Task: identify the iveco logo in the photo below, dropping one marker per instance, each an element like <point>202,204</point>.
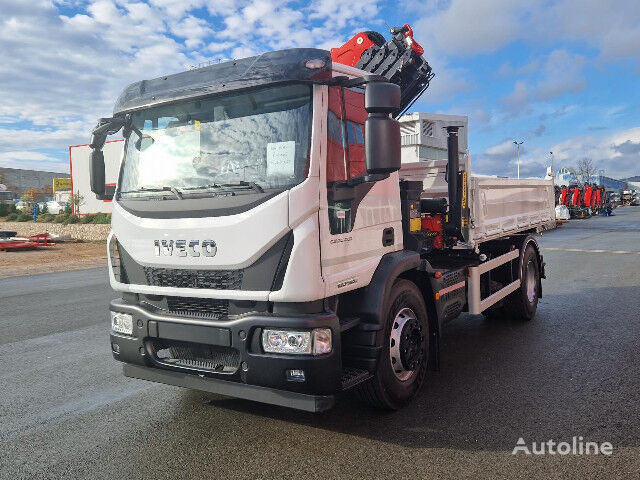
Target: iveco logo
<point>184,248</point>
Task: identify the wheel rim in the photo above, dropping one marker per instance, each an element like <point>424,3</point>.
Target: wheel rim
<point>406,350</point>
<point>531,281</point>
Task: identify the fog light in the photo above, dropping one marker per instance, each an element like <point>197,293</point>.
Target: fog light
<point>286,341</point>
<point>321,341</point>
<point>115,347</point>
<point>295,376</point>
<point>121,323</point>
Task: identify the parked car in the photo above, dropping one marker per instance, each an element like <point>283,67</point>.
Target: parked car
<point>53,207</point>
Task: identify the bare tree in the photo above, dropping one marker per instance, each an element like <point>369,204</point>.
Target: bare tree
<point>77,200</point>
<point>573,174</point>
<point>585,170</point>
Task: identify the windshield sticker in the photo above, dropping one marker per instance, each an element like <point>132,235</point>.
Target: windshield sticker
<point>281,158</point>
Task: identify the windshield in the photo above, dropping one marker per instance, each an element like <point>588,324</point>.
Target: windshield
<point>254,141</point>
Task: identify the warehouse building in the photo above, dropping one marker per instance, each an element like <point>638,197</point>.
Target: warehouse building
<point>19,180</point>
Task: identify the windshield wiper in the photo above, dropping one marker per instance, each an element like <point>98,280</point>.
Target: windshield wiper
<point>243,184</point>
<point>203,187</point>
<point>173,190</point>
<point>240,185</point>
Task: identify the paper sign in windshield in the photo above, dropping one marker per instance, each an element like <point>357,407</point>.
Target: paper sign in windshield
<point>281,157</point>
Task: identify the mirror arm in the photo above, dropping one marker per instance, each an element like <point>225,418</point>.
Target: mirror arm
<point>344,81</point>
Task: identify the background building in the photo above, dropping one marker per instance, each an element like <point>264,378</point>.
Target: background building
<point>565,177</point>
<point>18,180</point>
<point>424,136</point>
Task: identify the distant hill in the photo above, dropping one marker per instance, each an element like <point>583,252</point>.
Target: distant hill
<point>632,179</point>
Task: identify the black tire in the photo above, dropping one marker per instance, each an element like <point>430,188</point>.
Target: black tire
<point>523,303</point>
<point>386,390</point>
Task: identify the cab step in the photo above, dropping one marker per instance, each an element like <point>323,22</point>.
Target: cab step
<point>354,376</point>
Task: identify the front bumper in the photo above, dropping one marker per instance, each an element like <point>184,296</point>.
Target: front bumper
<point>259,376</point>
<point>301,401</point>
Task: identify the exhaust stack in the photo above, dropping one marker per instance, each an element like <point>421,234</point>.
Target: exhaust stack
<point>453,166</point>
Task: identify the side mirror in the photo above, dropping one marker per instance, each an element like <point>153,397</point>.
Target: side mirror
<point>382,133</point>
<point>96,172</point>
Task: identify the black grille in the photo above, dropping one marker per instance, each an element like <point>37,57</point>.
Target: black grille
<point>452,278</point>
<point>452,310</point>
<point>198,307</point>
<point>196,356</point>
<point>180,278</point>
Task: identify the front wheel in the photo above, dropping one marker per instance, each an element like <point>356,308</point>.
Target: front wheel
<point>402,365</point>
<point>523,303</point>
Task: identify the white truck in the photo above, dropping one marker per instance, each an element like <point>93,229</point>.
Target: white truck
<point>267,245</point>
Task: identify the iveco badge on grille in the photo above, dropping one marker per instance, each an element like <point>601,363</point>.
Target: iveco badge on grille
<point>184,248</point>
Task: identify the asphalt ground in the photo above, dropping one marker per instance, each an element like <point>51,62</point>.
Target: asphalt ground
<point>66,411</point>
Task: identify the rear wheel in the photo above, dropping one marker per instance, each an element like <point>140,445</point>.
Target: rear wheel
<point>523,303</point>
<point>402,365</point>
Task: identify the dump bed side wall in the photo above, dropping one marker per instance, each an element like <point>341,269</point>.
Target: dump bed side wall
<point>498,206</point>
<point>501,206</point>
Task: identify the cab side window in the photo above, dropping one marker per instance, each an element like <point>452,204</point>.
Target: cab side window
<point>337,150</point>
<point>345,154</point>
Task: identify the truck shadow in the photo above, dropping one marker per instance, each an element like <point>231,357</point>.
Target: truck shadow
<point>574,370</point>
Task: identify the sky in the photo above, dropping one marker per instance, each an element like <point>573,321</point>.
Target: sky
<point>561,75</point>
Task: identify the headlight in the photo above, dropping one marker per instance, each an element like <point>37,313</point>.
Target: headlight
<point>317,341</point>
<point>122,323</point>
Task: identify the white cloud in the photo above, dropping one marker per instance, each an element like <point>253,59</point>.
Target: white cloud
<point>560,73</point>
<point>33,160</point>
<point>61,72</point>
<point>505,148</point>
<point>517,101</point>
<point>617,153</point>
<point>192,29</point>
<point>466,27</point>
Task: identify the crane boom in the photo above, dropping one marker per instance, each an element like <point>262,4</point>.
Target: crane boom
<point>399,59</point>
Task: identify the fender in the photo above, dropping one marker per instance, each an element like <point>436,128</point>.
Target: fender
<point>362,345</point>
<point>525,241</point>
<point>370,302</point>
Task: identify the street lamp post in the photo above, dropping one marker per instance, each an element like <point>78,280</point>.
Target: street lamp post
<point>517,144</point>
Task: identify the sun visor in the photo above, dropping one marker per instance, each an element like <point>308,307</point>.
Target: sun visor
<point>271,68</point>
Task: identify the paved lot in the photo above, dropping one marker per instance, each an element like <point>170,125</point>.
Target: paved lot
<point>67,412</point>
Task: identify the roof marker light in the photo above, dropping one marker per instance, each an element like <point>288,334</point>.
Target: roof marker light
<point>315,63</point>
